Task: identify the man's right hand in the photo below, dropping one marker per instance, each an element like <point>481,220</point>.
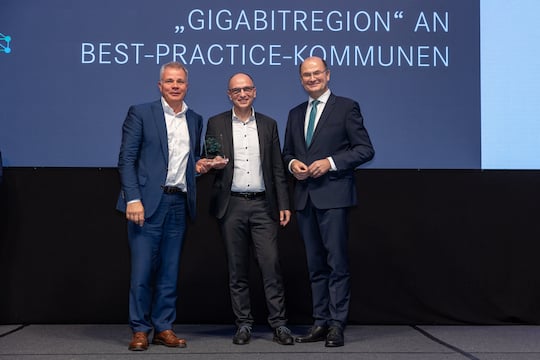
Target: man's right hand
<point>135,212</point>
<point>299,170</point>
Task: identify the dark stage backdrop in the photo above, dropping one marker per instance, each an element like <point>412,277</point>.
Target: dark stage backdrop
<point>427,247</point>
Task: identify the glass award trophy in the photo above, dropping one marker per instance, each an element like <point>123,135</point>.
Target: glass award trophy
<point>213,146</point>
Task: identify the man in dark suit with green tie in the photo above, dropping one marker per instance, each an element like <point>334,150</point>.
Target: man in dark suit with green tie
<point>325,141</point>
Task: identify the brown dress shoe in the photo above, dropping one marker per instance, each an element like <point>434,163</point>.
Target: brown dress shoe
<point>139,342</point>
<point>168,338</point>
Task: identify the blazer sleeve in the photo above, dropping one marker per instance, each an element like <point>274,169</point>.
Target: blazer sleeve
<point>132,133</point>
<point>360,149</point>
<point>278,171</point>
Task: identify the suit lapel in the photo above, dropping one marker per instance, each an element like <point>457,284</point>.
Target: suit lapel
<point>261,132</point>
<point>228,146</point>
<point>191,129</point>
<point>225,128</point>
<point>159,120</point>
<point>302,123</point>
<point>324,116</point>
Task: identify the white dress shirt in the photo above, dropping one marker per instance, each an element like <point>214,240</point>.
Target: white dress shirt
<point>247,173</point>
<point>178,145</point>
<point>323,99</point>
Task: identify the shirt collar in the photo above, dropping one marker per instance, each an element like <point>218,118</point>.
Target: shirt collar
<point>168,110</point>
<point>323,98</point>
<point>251,117</point>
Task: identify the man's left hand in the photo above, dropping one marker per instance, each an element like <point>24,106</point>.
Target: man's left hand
<point>319,168</point>
<point>284,217</point>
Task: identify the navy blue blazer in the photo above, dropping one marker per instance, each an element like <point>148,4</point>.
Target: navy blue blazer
<point>340,133</point>
<point>144,157</point>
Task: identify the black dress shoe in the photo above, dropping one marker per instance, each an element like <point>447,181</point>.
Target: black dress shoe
<point>334,338</point>
<point>316,333</point>
<point>282,335</point>
<point>242,336</point>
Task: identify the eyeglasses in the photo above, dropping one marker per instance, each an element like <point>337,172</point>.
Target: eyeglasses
<point>317,73</point>
<point>246,89</point>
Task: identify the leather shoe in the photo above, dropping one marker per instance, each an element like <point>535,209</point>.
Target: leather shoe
<point>316,333</point>
<point>282,335</point>
<point>139,341</point>
<point>242,336</point>
<point>334,338</point>
<point>168,338</point>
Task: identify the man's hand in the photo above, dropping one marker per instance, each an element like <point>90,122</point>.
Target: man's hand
<point>299,170</point>
<point>135,212</point>
<point>284,217</point>
<point>205,165</point>
<point>219,162</point>
<point>319,168</point>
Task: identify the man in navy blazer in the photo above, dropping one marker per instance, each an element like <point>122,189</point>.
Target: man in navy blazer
<point>325,141</point>
<point>157,165</point>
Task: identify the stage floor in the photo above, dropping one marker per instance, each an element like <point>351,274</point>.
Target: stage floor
<point>62,342</point>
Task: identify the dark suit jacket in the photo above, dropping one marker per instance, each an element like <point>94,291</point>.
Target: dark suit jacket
<point>272,164</point>
<point>340,133</point>
<point>144,156</point>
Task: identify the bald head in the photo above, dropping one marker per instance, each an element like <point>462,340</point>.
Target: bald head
<point>242,93</point>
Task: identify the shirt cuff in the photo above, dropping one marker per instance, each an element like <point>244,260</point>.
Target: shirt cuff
<point>332,164</point>
<point>330,160</point>
<point>289,166</point>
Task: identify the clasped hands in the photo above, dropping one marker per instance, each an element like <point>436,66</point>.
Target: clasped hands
<point>204,165</point>
<point>317,168</point>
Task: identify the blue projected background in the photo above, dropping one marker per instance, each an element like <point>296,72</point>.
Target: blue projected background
<point>70,70</point>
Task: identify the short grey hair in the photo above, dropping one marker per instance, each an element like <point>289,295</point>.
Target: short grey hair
<point>174,65</point>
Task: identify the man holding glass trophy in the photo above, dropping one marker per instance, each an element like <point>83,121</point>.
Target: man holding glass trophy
<point>249,198</point>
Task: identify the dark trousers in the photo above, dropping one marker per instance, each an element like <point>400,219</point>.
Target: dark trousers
<point>247,223</point>
<point>325,234</point>
<point>155,257</point>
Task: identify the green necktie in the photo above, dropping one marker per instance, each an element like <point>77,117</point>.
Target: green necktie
<point>311,123</point>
